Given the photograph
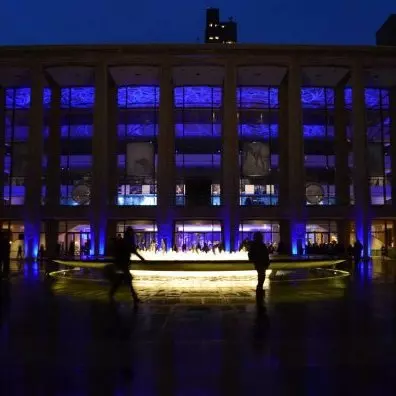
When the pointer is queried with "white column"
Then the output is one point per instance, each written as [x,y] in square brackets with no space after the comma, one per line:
[112,142]
[54,151]
[341,148]
[295,142]
[33,181]
[230,160]
[166,182]
[100,160]
[360,170]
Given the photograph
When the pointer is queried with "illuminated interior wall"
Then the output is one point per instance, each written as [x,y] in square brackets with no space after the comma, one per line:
[381,236]
[146,233]
[199,234]
[16,232]
[138,108]
[269,229]
[74,239]
[378,141]
[76,144]
[198,118]
[258,116]
[321,232]
[16,136]
[319,145]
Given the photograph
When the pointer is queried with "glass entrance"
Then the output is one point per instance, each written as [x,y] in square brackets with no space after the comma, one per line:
[146,233]
[318,238]
[74,239]
[78,244]
[197,236]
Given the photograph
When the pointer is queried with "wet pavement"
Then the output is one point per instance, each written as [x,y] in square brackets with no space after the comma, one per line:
[325,337]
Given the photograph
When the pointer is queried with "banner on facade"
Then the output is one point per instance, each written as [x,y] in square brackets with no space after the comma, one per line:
[375,160]
[256,159]
[140,159]
[19,159]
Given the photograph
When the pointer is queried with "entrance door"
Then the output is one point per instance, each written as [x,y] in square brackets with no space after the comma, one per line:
[78,244]
[317,237]
[145,239]
[193,240]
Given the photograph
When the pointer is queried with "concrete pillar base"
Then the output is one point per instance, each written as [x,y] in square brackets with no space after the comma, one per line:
[285,237]
[51,236]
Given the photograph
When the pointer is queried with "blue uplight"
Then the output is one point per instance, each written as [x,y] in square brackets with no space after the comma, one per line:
[298,236]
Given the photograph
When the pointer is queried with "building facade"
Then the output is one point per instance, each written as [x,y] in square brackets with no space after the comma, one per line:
[197,144]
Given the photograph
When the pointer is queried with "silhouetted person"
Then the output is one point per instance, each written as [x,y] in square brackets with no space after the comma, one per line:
[72,249]
[258,254]
[281,248]
[4,255]
[19,253]
[41,254]
[58,250]
[123,250]
[357,251]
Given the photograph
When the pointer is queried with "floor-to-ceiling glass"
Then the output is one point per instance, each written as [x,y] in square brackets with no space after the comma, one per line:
[146,233]
[258,114]
[198,235]
[17,101]
[198,119]
[137,145]
[76,145]
[319,145]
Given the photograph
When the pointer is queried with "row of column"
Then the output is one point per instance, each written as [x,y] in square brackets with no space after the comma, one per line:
[104,147]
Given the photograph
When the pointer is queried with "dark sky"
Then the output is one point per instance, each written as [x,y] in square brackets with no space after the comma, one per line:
[182,21]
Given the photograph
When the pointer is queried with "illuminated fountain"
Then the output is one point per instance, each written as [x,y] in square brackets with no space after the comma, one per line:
[191,256]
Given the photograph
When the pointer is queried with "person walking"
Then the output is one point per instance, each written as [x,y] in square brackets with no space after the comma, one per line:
[357,251]
[123,249]
[258,254]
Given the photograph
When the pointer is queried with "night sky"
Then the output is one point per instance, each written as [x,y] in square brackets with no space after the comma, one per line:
[182,21]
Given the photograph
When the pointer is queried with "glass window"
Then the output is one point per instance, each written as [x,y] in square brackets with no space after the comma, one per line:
[321,237]
[137,145]
[258,109]
[76,145]
[205,235]
[74,239]
[146,233]
[378,145]
[269,230]
[319,145]
[16,144]
[198,119]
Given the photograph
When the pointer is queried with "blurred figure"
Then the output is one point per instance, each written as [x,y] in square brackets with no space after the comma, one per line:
[41,254]
[258,254]
[19,253]
[123,250]
[357,251]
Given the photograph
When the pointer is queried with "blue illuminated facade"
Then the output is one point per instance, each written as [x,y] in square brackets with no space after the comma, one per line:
[194,112]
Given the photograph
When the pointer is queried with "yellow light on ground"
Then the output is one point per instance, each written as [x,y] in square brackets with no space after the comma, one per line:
[197,280]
